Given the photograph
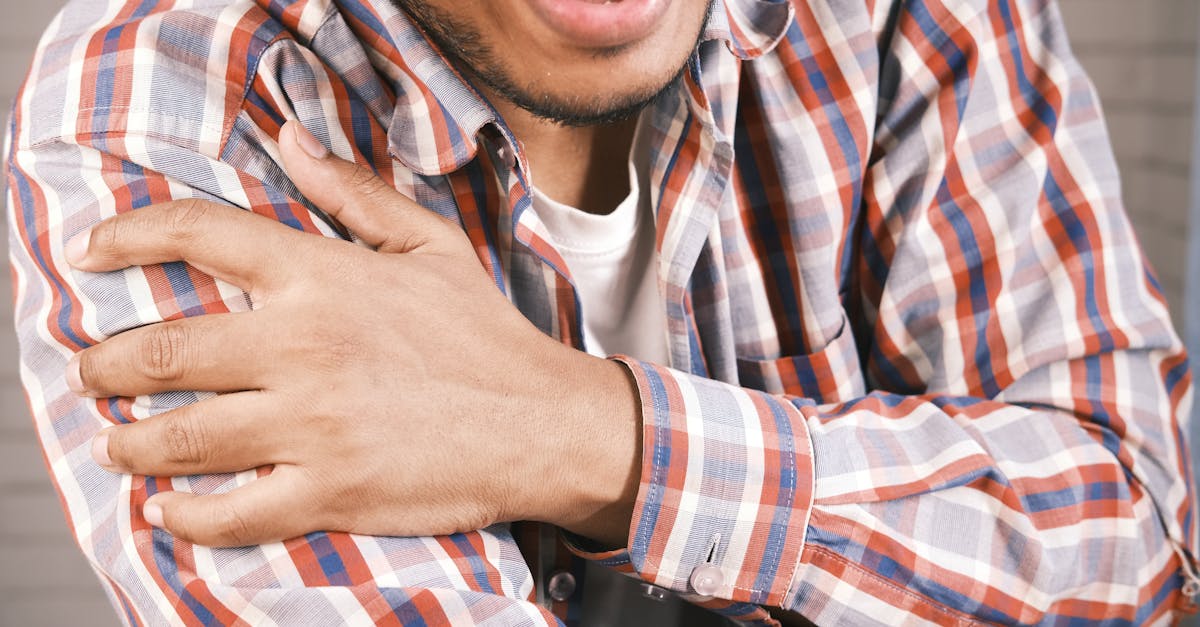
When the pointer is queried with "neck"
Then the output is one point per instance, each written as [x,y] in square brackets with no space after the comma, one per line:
[583,167]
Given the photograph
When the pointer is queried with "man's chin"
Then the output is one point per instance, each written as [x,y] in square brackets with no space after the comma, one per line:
[516,80]
[578,111]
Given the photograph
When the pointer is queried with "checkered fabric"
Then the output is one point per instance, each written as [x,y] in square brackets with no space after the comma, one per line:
[920,371]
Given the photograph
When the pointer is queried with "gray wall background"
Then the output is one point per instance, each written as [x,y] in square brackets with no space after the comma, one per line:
[1142,56]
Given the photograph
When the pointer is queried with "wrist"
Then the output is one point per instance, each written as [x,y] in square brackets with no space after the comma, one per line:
[589,450]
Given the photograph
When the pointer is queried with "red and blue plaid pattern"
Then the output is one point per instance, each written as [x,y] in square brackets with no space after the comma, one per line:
[920,371]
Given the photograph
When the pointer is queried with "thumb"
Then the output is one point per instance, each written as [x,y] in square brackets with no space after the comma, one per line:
[354,196]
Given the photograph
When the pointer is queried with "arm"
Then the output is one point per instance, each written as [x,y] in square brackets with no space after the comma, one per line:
[730,479]
[1019,456]
[66,177]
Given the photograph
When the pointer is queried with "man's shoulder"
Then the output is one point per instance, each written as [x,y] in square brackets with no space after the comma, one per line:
[178,72]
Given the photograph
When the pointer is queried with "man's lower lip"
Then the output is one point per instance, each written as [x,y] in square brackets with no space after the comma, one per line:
[600,24]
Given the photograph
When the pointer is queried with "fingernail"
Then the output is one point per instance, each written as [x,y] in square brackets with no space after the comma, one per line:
[77,247]
[309,143]
[153,514]
[74,378]
[100,449]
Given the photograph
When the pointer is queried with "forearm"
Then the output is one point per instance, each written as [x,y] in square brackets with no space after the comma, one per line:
[939,497]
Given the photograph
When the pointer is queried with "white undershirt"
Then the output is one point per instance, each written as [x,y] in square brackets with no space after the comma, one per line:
[612,260]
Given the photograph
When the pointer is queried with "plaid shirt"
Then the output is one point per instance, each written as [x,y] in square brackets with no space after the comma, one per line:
[919,369]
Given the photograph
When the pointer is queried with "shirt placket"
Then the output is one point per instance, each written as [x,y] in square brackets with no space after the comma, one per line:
[691,179]
[536,279]
[691,176]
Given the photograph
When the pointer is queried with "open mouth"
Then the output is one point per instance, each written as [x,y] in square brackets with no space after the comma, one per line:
[601,23]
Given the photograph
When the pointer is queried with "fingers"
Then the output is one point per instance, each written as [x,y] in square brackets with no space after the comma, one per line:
[356,197]
[228,243]
[271,508]
[227,433]
[212,353]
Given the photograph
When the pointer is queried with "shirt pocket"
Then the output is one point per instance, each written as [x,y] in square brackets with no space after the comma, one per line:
[828,375]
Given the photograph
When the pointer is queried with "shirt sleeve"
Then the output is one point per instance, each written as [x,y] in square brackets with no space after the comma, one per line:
[101,129]
[1019,456]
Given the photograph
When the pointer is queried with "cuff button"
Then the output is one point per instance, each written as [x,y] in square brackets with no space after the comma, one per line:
[707,579]
[561,586]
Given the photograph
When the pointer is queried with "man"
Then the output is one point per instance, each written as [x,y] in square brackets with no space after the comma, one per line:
[870,339]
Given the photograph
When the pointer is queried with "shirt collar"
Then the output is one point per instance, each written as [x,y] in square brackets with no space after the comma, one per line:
[750,28]
[438,116]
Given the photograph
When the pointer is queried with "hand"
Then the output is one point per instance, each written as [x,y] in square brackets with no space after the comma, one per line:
[392,391]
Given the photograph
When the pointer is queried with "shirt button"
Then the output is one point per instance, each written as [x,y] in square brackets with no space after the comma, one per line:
[506,156]
[561,586]
[707,579]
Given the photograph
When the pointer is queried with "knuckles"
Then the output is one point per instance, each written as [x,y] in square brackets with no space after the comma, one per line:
[219,524]
[231,527]
[184,440]
[107,236]
[162,351]
[90,370]
[185,218]
[367,185]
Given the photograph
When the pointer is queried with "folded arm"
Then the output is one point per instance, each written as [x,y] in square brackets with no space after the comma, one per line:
[1019,454]
[111,152]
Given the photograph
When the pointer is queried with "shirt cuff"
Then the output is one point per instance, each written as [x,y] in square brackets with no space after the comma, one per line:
[744,613]
[726,489]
